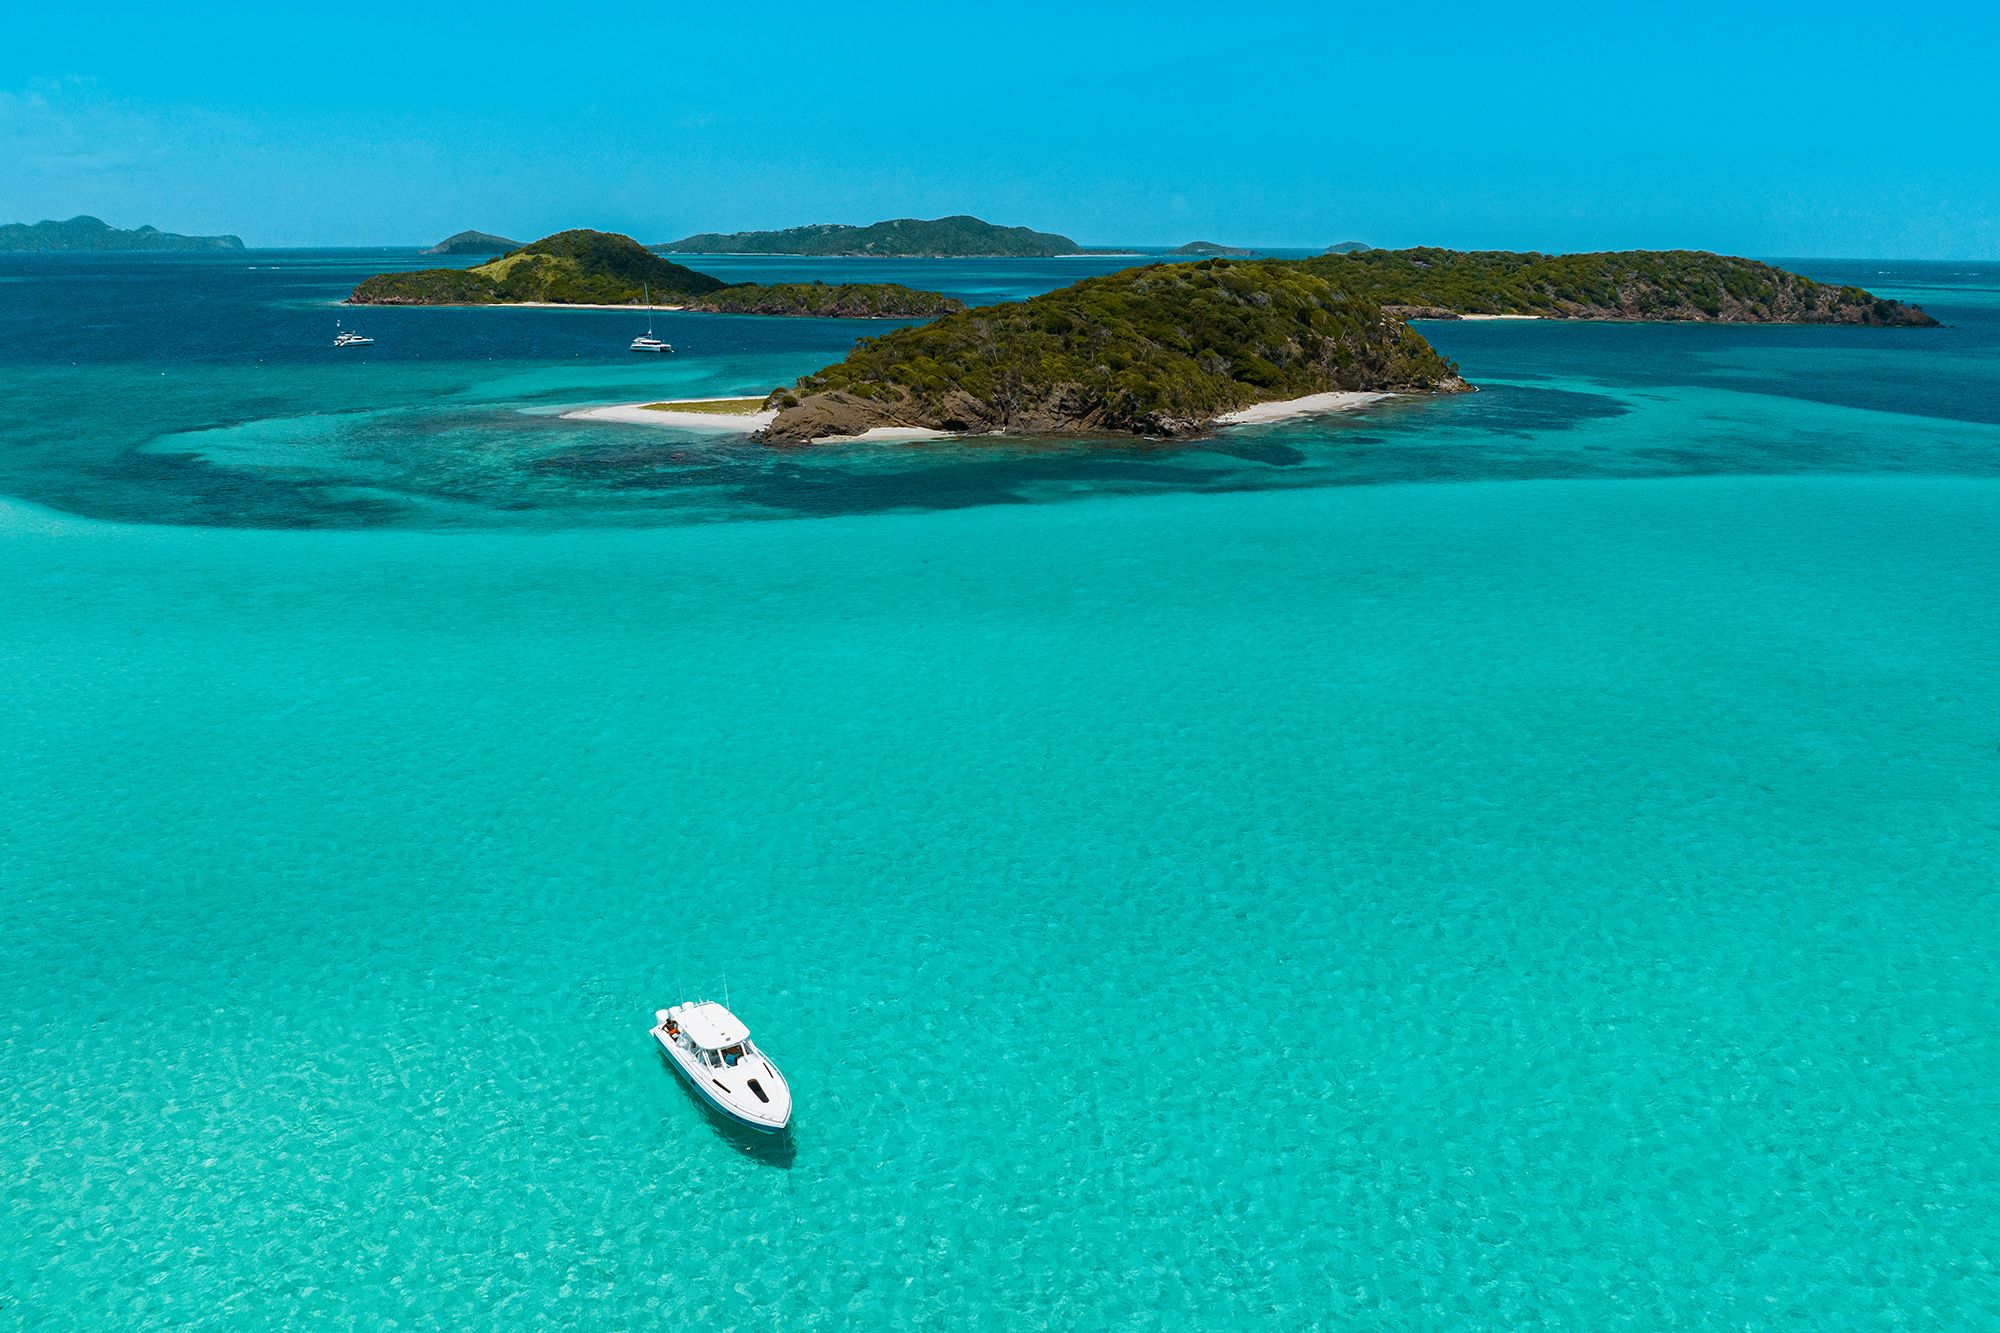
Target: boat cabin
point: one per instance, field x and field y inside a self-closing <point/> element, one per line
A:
<point x="711" y="1034"/>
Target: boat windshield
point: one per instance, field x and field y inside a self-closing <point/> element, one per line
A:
<point x="731" y="1054"/>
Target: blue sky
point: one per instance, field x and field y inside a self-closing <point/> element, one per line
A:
<point x="1776" y="129"/>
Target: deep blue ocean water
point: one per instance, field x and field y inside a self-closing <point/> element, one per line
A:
<point x="1519" y="860"/>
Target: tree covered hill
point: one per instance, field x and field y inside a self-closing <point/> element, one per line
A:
<point x="1159" y="350"/>
<point x="602" y="268"/>
<point x="958" y="237"/>
<point x="473" y="243"/>
<point x="84" y="233"/>
<point x="1617" y="284"/>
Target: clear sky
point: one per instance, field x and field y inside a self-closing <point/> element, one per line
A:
<point x="1768" y="129"/>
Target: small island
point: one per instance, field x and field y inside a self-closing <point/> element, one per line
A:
<point x="1651" y="285"/>
<point x="1347" y="248"/>
<point x="472" y="243"/>
<point x="1171" y="349"/>
<point x="88" y="234"/>
<point x="602" y="268"/>
<point x="958" y="237"/>
<point x="1210" y="250"/>
<point x="1158" y="351"/>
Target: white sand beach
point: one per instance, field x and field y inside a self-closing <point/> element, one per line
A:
<point x="887" y="434"/>
<point x="1297" y="407"/>
<point x="750" y="421"/>
<point x="735" y="423"/>
<point x="643" y="414"/>
<point x="1502" y="316"/>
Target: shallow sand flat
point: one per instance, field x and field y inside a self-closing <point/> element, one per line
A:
<point x="1297" y="407"/>
<point x="1661" y="939"/>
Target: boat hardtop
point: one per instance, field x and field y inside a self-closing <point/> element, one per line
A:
<point x="711" y="1048"/>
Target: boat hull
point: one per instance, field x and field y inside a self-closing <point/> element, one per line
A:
<point x="735" y="1116"/>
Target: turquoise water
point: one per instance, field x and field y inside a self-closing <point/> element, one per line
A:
<point x="1187" y="888"/>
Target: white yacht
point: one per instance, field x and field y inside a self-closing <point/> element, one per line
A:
<point x="712" y="1050"/>
<point x="646" y="342"/>
<point x="349" y="338"/>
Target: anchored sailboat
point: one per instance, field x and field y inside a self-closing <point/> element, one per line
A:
<point x="646" y="342"/>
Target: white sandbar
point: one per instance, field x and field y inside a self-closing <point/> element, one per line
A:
<point x="640" y="414"/>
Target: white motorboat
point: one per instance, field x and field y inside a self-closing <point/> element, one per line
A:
<point x="646" y="342"/>
<point x="712" y="1050"/>
<point x="349" y="338"/>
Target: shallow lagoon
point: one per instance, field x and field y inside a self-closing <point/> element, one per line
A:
<point x="1522" y="901"/>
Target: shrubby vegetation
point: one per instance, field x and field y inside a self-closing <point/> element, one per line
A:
<point x="1623" y="284"/>
<point x="1156" y="351"/>
<point x="846" y="300"/>
<point x="429" y="286"/>
<point x="601" y="268"/>
<point x="958" y="237"/>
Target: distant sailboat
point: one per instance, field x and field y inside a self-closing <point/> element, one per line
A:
<point x="646" y="342"/>
<point x="349" y="338"/>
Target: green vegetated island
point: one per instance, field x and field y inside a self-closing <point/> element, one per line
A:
<point x="472" y="243"/>
<point x="83" y="233"/>
<point x="601" y="268"/>
<point x="1656" y="285"/>
<point x="1162" y="350"/>
<point x="959" y="237"/>
<point x="1166" y="349"/>
<point x="1211" y="250"/>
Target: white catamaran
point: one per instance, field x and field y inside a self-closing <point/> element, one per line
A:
<point x="646" y="342"/>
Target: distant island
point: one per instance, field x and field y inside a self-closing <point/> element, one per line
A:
<point x="1160" y="350"/>
<point x="1347" y="248"/>
<point x="1210" y="250"/>
<point x="958" y="237"/>
<point x="83" y="233"/>
<point x="602" y="268"/>
<point x="1656" y="285"/>
<point x="472" y="243"/>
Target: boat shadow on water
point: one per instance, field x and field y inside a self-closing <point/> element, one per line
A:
<point x="780" y="1149"/>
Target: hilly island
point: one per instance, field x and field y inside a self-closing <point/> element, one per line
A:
<point x="473" y="243"/>
<point x="958" y="237"/>
<point x="1650" y="285"/>
<point x="1168" y="349"/>
<point x="1161" y="350"/>
<point x="85" y="234"/>
<point x="601" y="268"/>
